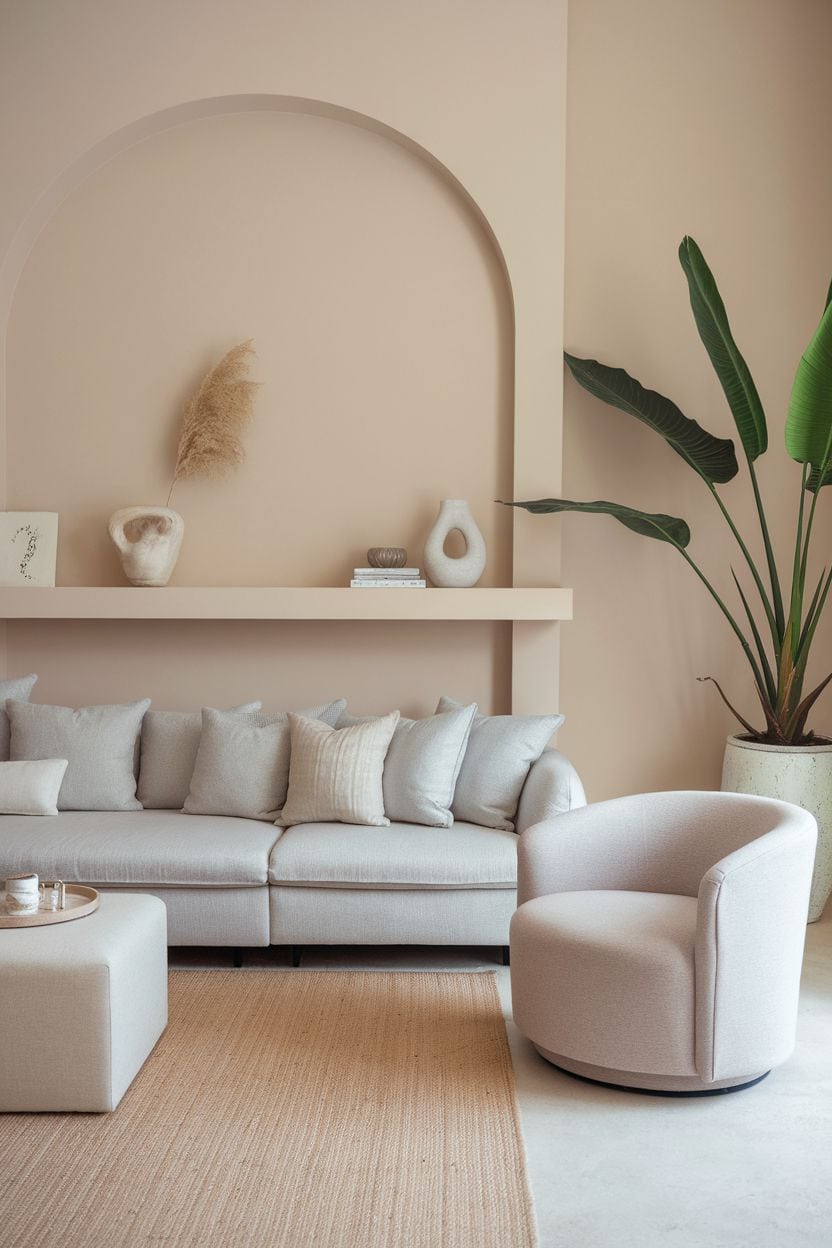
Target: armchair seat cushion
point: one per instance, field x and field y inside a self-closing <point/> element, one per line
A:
<point x="403" y="855"/>
<point x="152" y="847"/>
<point x="608" y="977"/>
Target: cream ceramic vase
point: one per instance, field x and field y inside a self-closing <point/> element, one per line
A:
<point x="444" y="570"/>
<point x="801" y="774"/>
<point x="148" y="540"/>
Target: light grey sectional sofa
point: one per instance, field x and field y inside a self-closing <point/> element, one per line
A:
<point x="244" y="882"/>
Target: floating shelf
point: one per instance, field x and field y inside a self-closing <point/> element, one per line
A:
<point x="70" y="602"/>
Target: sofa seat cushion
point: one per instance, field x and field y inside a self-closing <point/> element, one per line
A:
<point x="154" y="847"/>
<point x="404" y="855"/>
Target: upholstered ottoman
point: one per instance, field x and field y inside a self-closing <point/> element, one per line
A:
<point x="81" y="1006"/>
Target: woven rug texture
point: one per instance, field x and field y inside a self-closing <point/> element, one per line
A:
<point x="335" y="1109"/>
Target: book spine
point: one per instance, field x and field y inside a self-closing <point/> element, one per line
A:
<point x="367" y="583"/>
<point x="380" y="573"/>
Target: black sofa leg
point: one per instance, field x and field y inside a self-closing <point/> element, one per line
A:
<point x="506" y="952"/>
<point x="238" y="958"/>
<point x="297" y="952"/>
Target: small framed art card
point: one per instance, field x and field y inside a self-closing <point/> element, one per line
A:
<point x="28" y="547"/>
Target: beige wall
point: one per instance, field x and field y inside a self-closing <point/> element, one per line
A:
<point x="713" y="119"/>
<point x="710" y="118"/>
<point x="378" y="250"/>
<point x="383" y="328"/>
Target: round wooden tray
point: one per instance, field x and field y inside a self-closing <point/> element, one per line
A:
<point x="80" y="900"/>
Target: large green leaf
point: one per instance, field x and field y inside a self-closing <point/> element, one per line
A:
<point x="647" y="524"/>
<point x="809" y="422"/>
<point x="818" y="480"/>
<point x="715" y="332"/>
<point x="713" y="458"/>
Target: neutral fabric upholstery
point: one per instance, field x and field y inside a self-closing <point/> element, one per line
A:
<point x="552" y="787"/>
<point x="423" y="764"/>
<point x="451" y="886"/>
<point x="336" y="774"/>
<point x="357" y="916"/>
<point x="405" y="855"/>
<point x="100" y="742"/>
<point x="648" y="917"/>
<point x="635" y="965"/>
<point x="500" y="751"/>
<point x="19" y="688"/>
<point x="210" y="916"/>
<point x="83" y="1005"/>
<point x="242" y="764"/>
<point x="141" y="847"/>
<point x="169" y="746"/>
<point x="31" y="788"/>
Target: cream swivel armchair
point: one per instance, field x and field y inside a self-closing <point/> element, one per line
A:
<point x="659" y="939"/>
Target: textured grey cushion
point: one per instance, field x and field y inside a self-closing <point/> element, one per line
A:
<point x="19" y="688"/>
<point x="335" y="774"/>
<point x="170" y="743"/>
<point x="100" y="742"/>
<point x="422" y="765"/>
<point x="405" y="855"/>
<point x="242" y="765"/>
<point x="154" y="847"/>
<point x="501" y="749"/>
<point x="31" y="788"/>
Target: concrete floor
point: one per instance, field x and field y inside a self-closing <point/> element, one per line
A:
<point x="615" y="1170"/>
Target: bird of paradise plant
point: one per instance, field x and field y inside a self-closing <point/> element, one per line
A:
<point x="777" y="649"/>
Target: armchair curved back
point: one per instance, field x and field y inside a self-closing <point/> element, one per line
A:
<point x="649" y="842"/>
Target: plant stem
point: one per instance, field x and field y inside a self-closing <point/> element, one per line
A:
<point x="796" y="607"/>
<point x="758" y="676"/>
<point x="777" y="596"/>
<point x="776" y="636"/>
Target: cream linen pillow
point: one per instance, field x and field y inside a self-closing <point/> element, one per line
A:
<point x="31" y="788"/>
<point x="422" y="765"/>
<point x="335" y="774"/>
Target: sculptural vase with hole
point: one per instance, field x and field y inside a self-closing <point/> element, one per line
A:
<point x="448" y="571"/>
<point x="148" y="540"/>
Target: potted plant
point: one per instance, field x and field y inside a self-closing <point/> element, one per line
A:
<point x="777" y="613"/>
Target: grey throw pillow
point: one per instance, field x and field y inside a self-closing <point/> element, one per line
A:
<point x="170" y="742"/>
<point x="99" y="742"/>
<point x="19" y="688"/>
<point x="242" y="764"/>
<point x="422" y="765"/>
<point x="501" y="749"/>
<point x="335" y="775"/>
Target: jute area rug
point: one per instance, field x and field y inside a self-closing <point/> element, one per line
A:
<point x="348" y="1109"/>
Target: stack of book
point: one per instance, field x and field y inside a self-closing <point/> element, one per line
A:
<point x="386" y="578"/>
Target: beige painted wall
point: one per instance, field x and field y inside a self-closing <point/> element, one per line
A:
<point x="386" y="319"/>
<point x="712" y="119"/>
<point x="383" y="329"/>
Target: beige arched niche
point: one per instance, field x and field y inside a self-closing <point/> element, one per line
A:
<point x="380" y="305"/>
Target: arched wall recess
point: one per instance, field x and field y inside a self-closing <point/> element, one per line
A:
<point x="156" y="123"/>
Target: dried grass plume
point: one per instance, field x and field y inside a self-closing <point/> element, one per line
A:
<point x="216" y="416"/>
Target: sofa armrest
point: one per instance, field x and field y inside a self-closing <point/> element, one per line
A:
<point x="552" y="788"/>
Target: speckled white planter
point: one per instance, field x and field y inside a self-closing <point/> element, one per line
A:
<point x="798" y="773"/>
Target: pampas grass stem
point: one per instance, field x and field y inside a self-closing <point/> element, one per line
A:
<point x="210" y="444"/>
